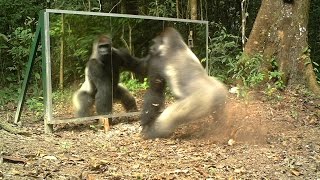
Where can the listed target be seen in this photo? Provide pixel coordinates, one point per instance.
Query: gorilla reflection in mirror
(197, 94)
(102, 79)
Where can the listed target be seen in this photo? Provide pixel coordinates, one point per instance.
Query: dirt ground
(260, 138)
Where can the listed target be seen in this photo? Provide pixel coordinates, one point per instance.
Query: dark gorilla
(197, 94)
(102, 79)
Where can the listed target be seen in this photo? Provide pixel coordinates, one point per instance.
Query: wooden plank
(77, 120)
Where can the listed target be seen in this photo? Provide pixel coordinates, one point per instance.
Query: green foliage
(278, 84)
(275, 81)
(62, 95)
(17, 19)
(80, 34)
(18, 22)
(18, 50)
(3, 41)
(14, 14)
(162, 9)
(35, 104)
(131, 83)
(223, 50)
(17, 46)
(20, 42)
(316, 68)
(8, 94)
(275, 76)
(248, 70)
(227, 63)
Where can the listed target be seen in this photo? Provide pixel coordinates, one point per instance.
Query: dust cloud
(242, 122)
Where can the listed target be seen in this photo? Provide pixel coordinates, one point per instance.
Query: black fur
(102, 73)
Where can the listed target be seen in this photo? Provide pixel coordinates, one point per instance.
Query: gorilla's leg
(84, 97)
(153, 101)
(153, 104)
(103, 98)
(197, 105)
(83, 102)
(126, 99)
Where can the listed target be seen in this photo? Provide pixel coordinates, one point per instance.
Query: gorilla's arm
(153, 100)
(126, 99)
(131, 63)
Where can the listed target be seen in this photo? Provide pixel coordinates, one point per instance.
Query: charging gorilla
(102, 79)
(197, 94)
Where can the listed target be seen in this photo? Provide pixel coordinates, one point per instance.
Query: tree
(280, 33)
(193, 11)
(62, 47)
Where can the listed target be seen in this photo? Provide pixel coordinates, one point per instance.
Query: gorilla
(101, 83)
(197, 94)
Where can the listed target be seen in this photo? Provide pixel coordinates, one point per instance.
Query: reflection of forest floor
(260, 139)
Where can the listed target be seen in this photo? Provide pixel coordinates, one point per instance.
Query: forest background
(230, 24)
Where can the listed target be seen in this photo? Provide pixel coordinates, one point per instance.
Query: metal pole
(46, 71)
(30, 64)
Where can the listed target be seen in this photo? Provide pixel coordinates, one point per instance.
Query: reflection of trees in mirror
(62, 103)
(131, 83)
(81, 30)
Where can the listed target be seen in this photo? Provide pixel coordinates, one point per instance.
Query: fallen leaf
(136, 166)
(103, 161)
(295, 172)
(220, 166)
(91, 177)
(50, 158)
(240, 170)
(231, 142)
(177, 171)
(15, 172)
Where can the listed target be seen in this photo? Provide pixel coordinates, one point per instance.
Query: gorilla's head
(104, 45)
(168, 41)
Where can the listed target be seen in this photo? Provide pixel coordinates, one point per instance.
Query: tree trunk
(243, 22)
(61, 52)
(131, 7)
(193, 7)
(177, 8)
(89, 5)
(280, 32)
(143, 9)
(201, 10)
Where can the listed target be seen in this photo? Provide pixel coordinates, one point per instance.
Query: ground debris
(274, 140)
(11, 159)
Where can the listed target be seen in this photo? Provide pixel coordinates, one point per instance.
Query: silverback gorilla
(197, 95)
(102, 79)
